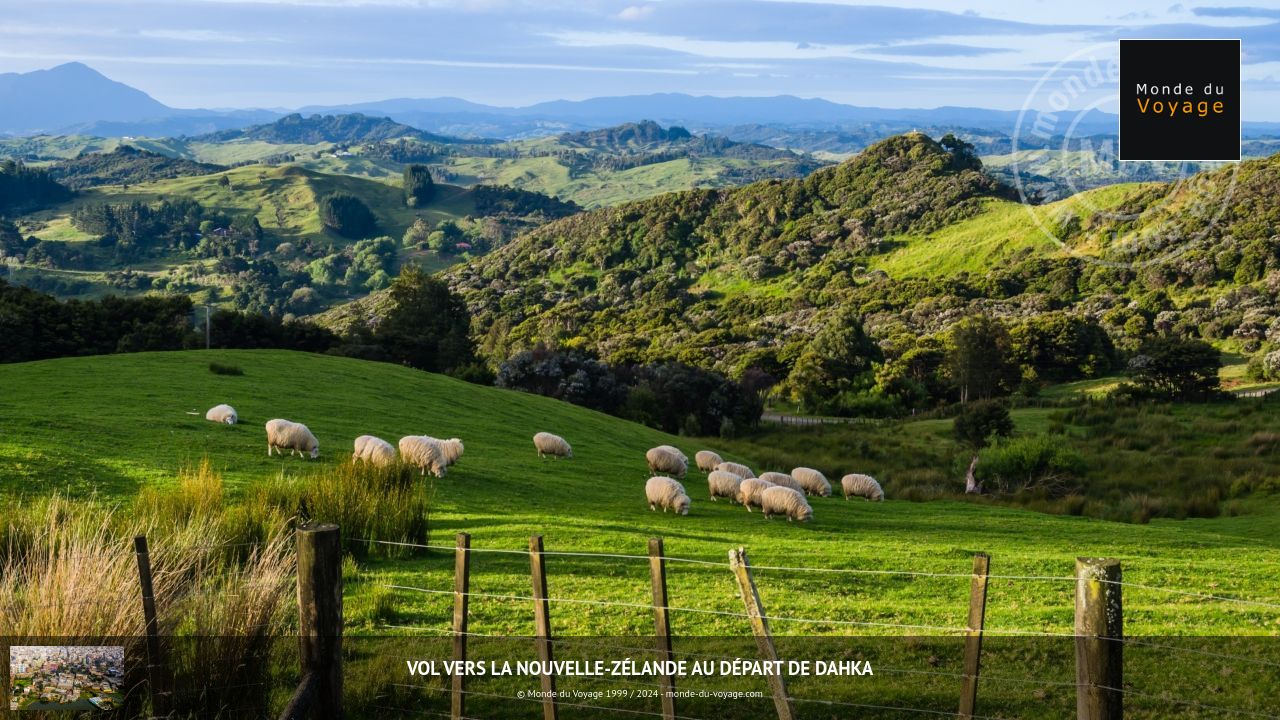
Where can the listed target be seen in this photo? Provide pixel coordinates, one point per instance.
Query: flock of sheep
(775, 493)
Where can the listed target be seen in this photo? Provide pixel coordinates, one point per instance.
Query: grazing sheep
(662, 459)
(749, 492)
(222, 414)
(738, 469)
(295, 437)
(783, 479)
(424, 453)
(552, 445)
(813, 482)
(707, 460)
(863, 486)
(452, 450)
(723, 484)
(668, 494)
(785, 501)
(373, 450)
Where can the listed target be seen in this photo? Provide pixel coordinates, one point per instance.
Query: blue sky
(910, 53)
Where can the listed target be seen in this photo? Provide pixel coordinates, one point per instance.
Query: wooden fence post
(973, 634)
(542, 627)
(155, 664)
(320, 617)
(461, 588)
(760, 627)
(1099, 640)
(662, 625)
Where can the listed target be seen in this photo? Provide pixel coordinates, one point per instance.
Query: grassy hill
(108, 426)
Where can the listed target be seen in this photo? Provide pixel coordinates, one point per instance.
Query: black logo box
(1180, 65)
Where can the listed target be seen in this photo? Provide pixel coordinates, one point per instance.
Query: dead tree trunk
(971, 484)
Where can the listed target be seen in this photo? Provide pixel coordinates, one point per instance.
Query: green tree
(980, 358)
(1174, 368)
(418, 186)
(347, 215)
(840, 353)
(974, 427)
(427, 326)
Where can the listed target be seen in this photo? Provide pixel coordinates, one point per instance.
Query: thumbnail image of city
(65, 677)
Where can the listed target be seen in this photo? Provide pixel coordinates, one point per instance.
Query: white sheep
(553, 445)
(749, 491)
(222, 414)
(785, 501)
(424, 453)
(723, 484)
(373, 450)
(666, 493)
(738, 469)
(295, 437)
(707, 460)
(863, 486)
(666, 459)
(452, 450)
(813, 482)
(783, 479)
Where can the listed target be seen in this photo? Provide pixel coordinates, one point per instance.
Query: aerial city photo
(65, 677)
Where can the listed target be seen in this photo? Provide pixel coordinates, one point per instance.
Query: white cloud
(635, 12)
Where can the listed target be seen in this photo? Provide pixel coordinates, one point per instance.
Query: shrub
(347, 215)
(220, 369)
(1033, 463)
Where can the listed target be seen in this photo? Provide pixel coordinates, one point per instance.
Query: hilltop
(349, 128)
(126, 165)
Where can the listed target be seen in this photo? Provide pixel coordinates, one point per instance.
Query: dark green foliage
(348, 128)
(135, 228)
(230, 329)
(427, 325)
(347, 215)
(979, 360)
(222, 369)
(1061, 347)
(832, 364)
(569, 376)
(1172, 368)
(645, 132)
(504, 200)
(24, 189)
(126, 166)
(679, 398)
(418, 187)
(980, 421)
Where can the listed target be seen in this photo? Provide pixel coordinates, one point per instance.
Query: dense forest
(127, 165)
(346, 128)
(25, 189)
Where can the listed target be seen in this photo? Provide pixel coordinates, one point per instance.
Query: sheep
(666, 493)
(785, 501)
(738, 469)
(812, 481)
(707, 460)
(723, 484)
(424, 453)
(373, 450)
(452, 450)
(863, 486)
(663, 459)
(749, 491)
(783, 479)
(295, 437)
(552, 445)
(222, 414)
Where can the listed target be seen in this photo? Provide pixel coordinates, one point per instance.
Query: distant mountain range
(76, 99)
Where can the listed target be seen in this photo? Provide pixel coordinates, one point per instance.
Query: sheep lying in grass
(813, 482)
(863, 486)
(666, 459)
(295, 437)
(707, 460)
(738, 469)
(723, 484)
(785, 501)
(222, 414)
(783, 479)
(452, 450)
(749, 491)
(663, 492)
(552, 445)
(373, 450)
(424, 453)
